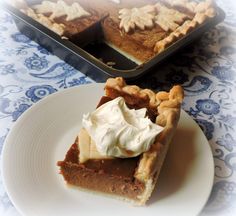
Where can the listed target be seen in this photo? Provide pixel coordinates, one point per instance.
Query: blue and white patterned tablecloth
(206, 70)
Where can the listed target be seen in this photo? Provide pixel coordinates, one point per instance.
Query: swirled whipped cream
(119, 131)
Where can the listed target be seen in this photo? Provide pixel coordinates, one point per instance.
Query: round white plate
(44, 133)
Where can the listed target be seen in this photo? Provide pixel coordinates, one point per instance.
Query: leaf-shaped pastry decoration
(137, 17)
(168, 19)
(60, 8)
(192, 6)
(189, 5)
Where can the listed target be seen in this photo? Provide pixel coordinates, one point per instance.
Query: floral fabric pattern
(208, 106)
(36, 93)
(36, 63)
(206, 69)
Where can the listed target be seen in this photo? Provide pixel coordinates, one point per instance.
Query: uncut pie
(126, 173)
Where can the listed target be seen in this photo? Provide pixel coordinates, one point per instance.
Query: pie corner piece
(131, 179)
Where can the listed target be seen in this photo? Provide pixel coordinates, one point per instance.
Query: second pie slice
(123, 143)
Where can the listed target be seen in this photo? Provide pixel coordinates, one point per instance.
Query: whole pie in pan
(128, 168)
(138, 29)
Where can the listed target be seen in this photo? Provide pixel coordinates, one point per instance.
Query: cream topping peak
(119, 131)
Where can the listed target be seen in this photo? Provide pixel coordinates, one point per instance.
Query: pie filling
(106, 175)
(109, 175)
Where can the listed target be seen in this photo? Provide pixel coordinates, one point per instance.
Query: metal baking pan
(87, 60)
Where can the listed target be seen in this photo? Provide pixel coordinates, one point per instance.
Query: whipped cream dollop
(119, 131)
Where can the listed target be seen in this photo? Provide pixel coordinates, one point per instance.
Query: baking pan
(88, 59)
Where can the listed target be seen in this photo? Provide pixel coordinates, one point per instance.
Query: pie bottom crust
(139, 189)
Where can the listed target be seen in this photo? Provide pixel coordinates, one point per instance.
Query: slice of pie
(126, 171)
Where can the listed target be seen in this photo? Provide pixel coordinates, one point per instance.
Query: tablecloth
(206, 70)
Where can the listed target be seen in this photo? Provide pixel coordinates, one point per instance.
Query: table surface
(206, 70)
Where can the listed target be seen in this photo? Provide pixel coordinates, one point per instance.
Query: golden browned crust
(168, 105)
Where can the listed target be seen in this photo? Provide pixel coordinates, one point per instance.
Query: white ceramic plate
(44, 133)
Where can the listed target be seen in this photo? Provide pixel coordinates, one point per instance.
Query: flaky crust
(168, 105)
